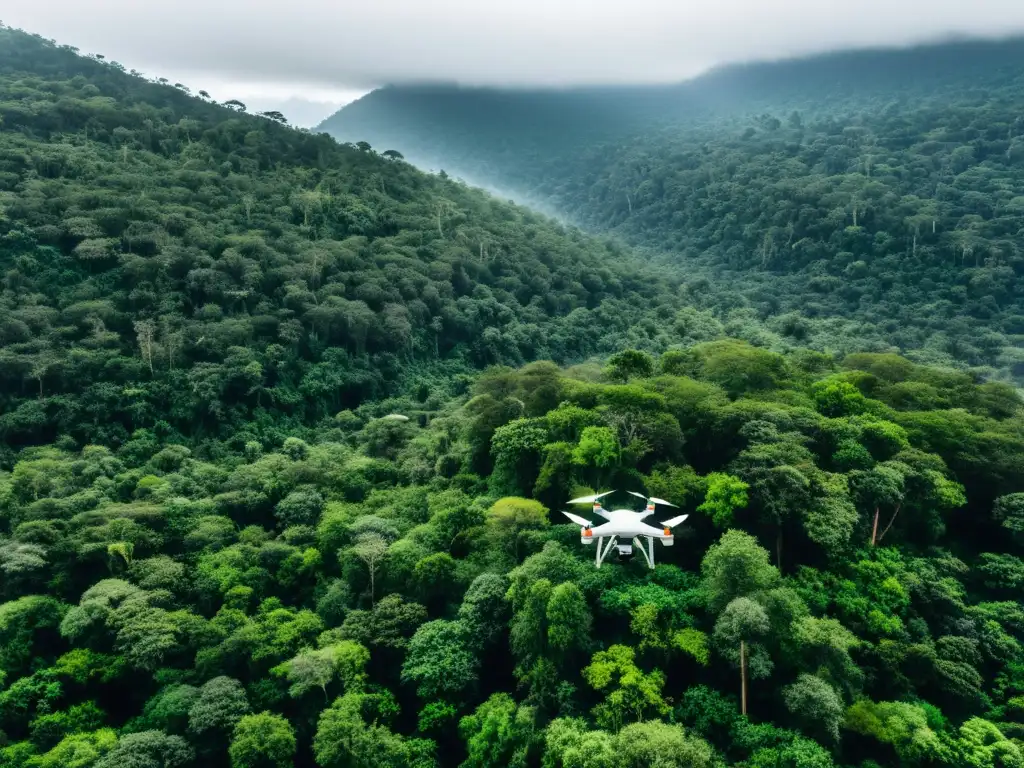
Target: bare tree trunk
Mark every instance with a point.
(778, 549)
(882, 535)
(743, 677)
(874, 529)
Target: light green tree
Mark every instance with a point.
(630, 694)
(264, 740)
(724, 496)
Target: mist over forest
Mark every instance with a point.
(289, 420)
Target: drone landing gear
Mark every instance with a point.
(603, 549)
(648, 551)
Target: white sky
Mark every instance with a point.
(322, 53)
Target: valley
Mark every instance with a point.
(288, 424)
(854, 201)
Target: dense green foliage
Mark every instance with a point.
(176, 265)
(266, 500)
(390, 593)
(854, 202)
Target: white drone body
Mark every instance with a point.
(624, 524)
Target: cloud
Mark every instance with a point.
(316, 47)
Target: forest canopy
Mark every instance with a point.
(856, 201)
(286, 430)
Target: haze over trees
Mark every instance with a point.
(855, 201)
(286, 426)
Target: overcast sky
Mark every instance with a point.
(314, 55)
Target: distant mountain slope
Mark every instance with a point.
(875, 193)
(432, 120)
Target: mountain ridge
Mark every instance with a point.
(789, 181)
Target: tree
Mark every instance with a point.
(1009, 512)
(371, 548)
(568, 743)
(779, 471)
(528, 636)
(262, 741)
(835, 397)
(824, 647)
(631, 695)
(881, 486)
(168, 709)
(440, 660)
(982, 743)
(568, 619)
(221, 703)
(734, 567)
(830, 521)
(656, 743)
(598, 449)
(738, 634)
(79, 750)
(816, 705)
(274, 115)
(302, 506)
(317, 668)
(485, 611)
(389, 626)
(148, 749)
(509, 517)
(145, 331)
(498, 733)
(725, 494)
(628, 364)
(903, 726)
(354, 733)
(516, 448)
(435, 577)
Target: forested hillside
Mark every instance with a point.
(175, 265)
(284, 449)
(876, 194)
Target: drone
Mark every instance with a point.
(625, 524)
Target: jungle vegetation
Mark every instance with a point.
(856, 201)
(287, 425)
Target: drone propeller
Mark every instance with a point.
(589, 499)
(653, 499)
(674, 521)
(577, 519)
